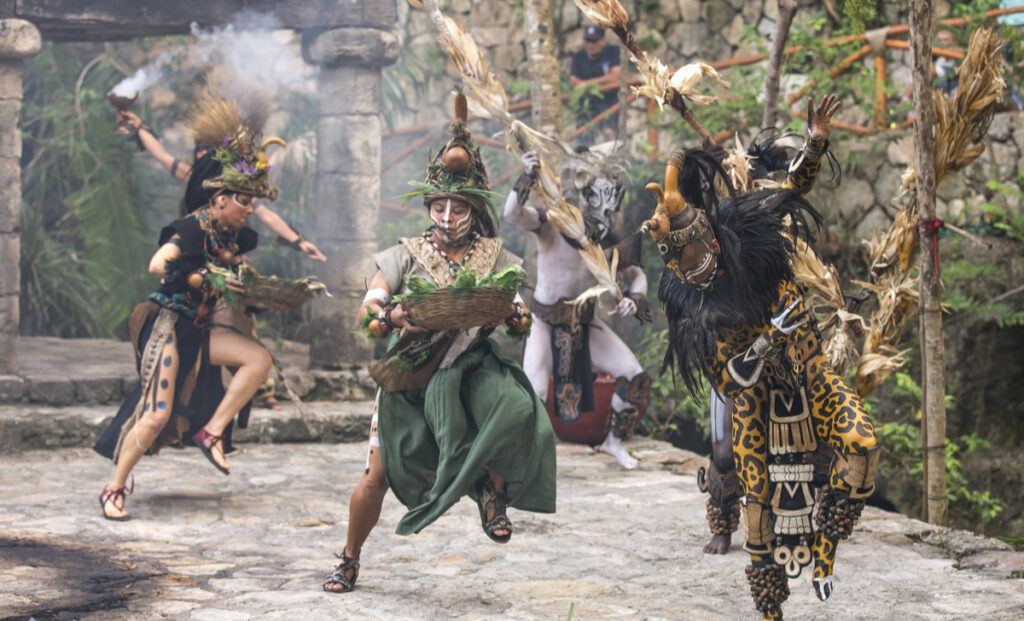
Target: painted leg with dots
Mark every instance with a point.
(158, 403)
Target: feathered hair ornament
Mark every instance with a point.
(239, 144)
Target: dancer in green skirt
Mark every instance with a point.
(451, 417)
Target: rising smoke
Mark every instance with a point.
(250, 47)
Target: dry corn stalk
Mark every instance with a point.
(487, 98)
(961, 124)
(659, 84)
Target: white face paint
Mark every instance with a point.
(454, 230)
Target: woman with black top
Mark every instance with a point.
(175, 344)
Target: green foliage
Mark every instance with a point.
(579, 98)
(1009, 222)
(56, 294)
(1016, 542)
(902, 456)
(858, 12)
(966, 279)
(670, 401)
(75, 177)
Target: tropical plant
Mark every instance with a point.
(78, 197)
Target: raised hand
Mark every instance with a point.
(531, 162)
(626, 307)
(818, 121)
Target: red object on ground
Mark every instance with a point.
(590, 427)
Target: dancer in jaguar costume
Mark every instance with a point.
(736, 317)
(747, 172)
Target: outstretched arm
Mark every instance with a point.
(178, 169)
(516, 210)
(280, 227)
(803, 172)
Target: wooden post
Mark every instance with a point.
(787, 9)
(881, 101)
(933, 413)
(542, 58)
(652, 129)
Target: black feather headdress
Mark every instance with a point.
(754, 260)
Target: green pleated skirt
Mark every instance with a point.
(438, 443)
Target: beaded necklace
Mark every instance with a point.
(453, 266)
(215, 242)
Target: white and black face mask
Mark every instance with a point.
(603, 198)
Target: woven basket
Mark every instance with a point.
(452, 308)
(277, 295)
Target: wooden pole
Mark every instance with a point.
(787, 9)
(933, 412)
(542, 58)
(881, 101)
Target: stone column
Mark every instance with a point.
(18, 40)
(348, 183)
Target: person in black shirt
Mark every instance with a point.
(597, 63)
(175, 343)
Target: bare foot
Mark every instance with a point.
(613, 446)
(719, 544)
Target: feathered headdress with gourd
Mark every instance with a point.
(239, 145)
(457, 171)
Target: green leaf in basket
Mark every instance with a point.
(509, 278)
(217, 280)
(416, 284)
(465, 280)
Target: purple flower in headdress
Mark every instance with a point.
(227, 140)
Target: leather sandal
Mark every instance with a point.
(347, 564)
(205, 441)
(111, 496)
(495, 501)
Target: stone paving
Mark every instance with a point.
(257, 544)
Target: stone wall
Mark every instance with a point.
(681, 31)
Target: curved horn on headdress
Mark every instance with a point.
(670, 201)
(273, 140)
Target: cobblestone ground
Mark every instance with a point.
(257, 544)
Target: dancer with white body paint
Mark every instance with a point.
(568, 342)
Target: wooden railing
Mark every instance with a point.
(881, 124)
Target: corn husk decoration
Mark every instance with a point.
(961, 124)
(659, 84)
(487, 99)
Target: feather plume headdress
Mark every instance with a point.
(239, 145)
(487, 99)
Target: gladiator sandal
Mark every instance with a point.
(205, 441)
(769, 587)
(339, 575)
(723, 506)
(489, 499)
(111, 496)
